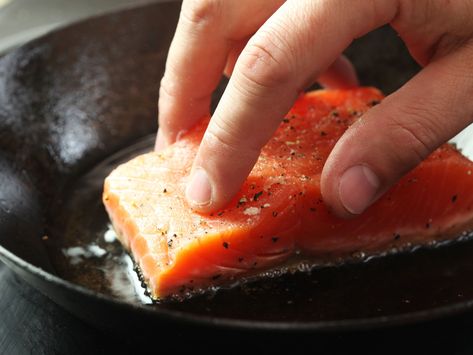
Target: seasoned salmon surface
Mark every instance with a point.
(279, 210)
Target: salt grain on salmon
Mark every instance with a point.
(251, 211)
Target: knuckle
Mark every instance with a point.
(415, 127)
(167, 104)
(167, 88)
(265, 62)
(172, 89)
(198, 12)
(405, 135)
(222, 136)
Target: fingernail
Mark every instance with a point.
(160, 141)
(199, 190)
(358, 188)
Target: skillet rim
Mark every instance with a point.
(15, 264)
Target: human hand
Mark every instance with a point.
(274, 49)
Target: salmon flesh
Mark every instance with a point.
(279, 211)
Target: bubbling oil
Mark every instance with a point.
(127, 282)
(119, 268)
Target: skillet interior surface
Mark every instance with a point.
(78, 101)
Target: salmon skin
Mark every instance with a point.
(279, 211)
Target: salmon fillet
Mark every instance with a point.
(279, 211)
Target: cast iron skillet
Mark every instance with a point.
(80, 95)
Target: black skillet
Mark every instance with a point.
(72, 99)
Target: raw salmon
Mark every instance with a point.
(279, 211)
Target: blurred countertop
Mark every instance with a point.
(23, 20)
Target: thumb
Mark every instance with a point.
(396, 135)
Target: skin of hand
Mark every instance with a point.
(273, 49)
